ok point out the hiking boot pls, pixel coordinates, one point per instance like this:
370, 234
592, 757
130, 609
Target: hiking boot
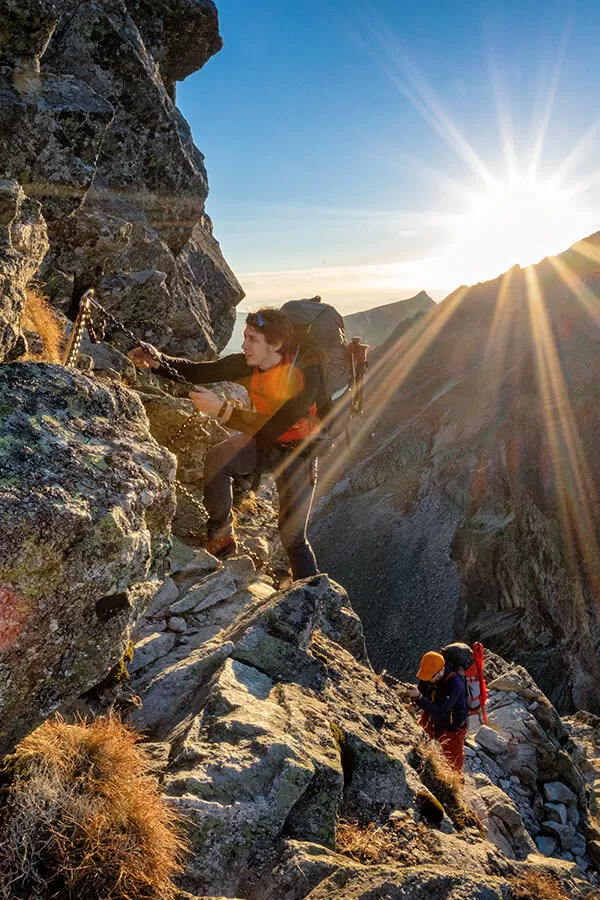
222, 546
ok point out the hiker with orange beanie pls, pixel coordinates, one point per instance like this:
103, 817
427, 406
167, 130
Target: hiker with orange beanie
441, 694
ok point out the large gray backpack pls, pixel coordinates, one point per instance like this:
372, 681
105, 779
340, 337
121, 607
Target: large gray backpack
320, 332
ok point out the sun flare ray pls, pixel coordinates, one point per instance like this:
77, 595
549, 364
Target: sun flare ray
573, 484
387, 377
538, 144
587, 298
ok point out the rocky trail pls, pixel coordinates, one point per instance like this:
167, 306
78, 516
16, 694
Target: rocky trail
271, 732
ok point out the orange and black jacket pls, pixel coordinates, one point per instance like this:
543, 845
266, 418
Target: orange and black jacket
283, 417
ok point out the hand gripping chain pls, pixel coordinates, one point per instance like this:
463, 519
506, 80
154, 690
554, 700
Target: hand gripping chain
84, 320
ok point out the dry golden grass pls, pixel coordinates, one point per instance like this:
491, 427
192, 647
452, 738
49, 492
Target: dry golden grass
248, 505
81, 818
535, 886
444, 782
365, 843
39, 316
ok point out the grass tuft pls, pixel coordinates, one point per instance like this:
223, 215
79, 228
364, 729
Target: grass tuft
536, 886
39, 316
366, 844
444, 782
82, 819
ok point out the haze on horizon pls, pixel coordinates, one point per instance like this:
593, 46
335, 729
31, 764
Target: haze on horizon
368, 155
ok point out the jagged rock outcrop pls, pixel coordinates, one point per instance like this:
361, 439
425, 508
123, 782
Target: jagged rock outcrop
269, 729
85, 502
162, 34
23, 243
476, 469
89, 128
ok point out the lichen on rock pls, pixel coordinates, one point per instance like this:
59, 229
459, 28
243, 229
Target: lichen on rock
86, 498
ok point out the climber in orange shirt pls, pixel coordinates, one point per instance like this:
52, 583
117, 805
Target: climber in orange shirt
274, 435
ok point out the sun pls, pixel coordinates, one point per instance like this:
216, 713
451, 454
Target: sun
520, 220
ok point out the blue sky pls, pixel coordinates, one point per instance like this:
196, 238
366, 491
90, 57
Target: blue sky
361, 149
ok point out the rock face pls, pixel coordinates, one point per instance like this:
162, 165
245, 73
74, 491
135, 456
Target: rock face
85, 504
23, 243
90, 130
275, 738
376, 325
480, 481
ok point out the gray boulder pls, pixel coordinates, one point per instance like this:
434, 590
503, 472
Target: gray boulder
85, 502
26, 26
51, 130
557, 792
146, 150
503, 823
413, 883
491, 740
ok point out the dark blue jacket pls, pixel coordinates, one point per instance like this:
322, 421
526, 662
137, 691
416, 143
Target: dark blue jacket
445, 701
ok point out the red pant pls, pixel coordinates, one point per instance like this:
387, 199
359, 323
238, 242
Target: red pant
451, 742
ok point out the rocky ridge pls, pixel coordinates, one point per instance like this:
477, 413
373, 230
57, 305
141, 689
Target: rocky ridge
101, 166
377, 324
270, 731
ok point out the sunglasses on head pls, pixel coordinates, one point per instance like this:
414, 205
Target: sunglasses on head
259, 320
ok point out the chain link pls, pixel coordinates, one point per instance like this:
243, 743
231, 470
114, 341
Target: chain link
74, 345
385, 674
97, 332
194, 419
174, 375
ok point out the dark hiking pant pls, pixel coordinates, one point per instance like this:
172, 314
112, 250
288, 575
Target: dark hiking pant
295, 477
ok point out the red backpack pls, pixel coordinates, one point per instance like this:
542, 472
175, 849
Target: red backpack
476, 686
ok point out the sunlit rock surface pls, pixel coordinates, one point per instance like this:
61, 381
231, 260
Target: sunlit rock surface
271, 733
23, 243
90, 129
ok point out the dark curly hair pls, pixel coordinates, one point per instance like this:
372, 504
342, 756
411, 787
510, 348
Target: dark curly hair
276, 326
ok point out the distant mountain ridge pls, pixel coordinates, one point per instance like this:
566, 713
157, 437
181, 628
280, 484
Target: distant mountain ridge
377, 324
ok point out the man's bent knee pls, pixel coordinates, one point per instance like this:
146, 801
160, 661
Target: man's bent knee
224, 457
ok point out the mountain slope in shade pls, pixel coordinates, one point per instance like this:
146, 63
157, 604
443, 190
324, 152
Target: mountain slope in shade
376, 325
472, 505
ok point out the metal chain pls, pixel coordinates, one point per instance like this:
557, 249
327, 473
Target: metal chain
189, 496
79, 324
174, 375
386, 674
194, 419
84, 320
